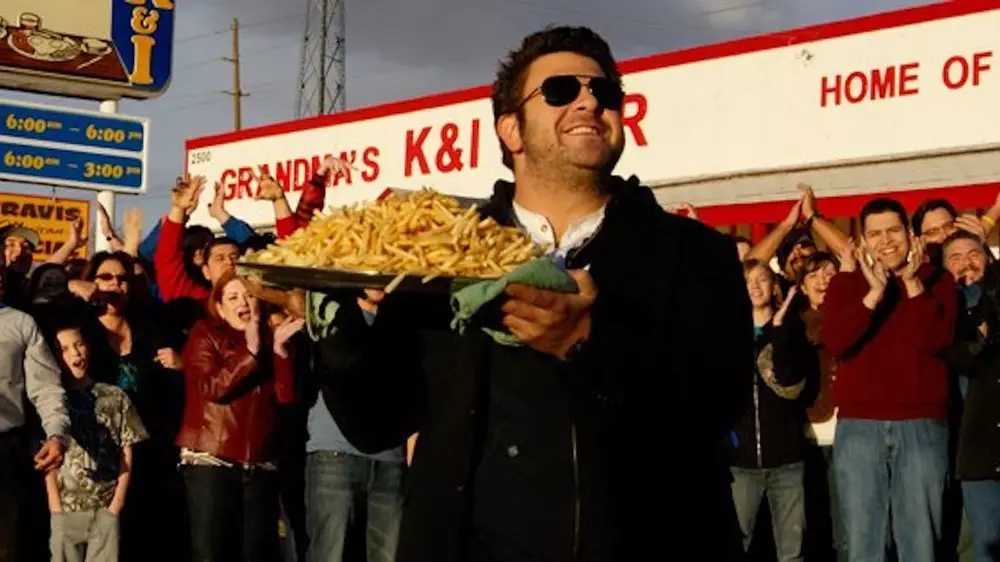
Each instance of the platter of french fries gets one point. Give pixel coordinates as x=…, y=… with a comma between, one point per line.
x=413, y=240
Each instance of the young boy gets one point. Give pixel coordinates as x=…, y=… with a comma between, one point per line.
x=88, y=492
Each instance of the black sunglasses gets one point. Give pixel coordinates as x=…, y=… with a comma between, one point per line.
x=109, y=276
x=559, y=91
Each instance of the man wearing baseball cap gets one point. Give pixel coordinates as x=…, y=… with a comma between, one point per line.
x=19, y=244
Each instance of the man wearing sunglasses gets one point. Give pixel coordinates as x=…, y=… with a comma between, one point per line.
x=548, y=450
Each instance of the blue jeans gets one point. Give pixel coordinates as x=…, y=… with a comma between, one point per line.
x=891, y=466
x=982, y=506
x=785, y=497
x=338, y=487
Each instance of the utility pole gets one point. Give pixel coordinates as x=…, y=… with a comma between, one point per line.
x=237, y=93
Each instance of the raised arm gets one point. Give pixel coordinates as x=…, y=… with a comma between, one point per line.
x=767, y=248
x=836, y=241
x=77, y=239
x=171, y=276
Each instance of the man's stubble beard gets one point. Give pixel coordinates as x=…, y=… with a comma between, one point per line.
x=556, y=170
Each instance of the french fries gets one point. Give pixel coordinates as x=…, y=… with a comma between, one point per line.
x=423, y=234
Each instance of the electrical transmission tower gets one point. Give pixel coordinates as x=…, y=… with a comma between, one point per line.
x=322, y=85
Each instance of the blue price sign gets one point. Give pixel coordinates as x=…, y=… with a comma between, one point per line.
x=73, y=168
x=100, y=131
x=72, y=148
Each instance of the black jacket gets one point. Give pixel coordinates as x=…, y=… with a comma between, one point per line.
x=565, y=455
x=772, y=431
x=978, y=358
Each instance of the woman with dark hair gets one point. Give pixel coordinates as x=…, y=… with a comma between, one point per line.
x=237, y=371
x=826, y=528
x=128, y=351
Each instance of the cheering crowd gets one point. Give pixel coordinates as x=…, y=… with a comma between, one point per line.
x=154, y=405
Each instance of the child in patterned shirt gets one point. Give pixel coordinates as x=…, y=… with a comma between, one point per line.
x=88, y=492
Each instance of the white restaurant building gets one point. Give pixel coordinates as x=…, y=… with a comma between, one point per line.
x=904, y=102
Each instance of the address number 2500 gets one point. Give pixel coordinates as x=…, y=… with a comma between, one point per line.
x=201, y=156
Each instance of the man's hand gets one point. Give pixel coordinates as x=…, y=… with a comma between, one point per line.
x=808, y=201
x=169, y=359
x=793, y=214
x=548, y=321
x=284, y=332
x=876, y=275
x=970, y=223
x=848, y=261
x=50, y=456
x=914, y=285
x=83, y=289
x=779, y=317
x=187, y=193
x=909, y=272
x=268, y=189
x=334, y=167
x=217, y=208
x=293, y=301
x=133, y=230
x=77, y=237
x=683, y=209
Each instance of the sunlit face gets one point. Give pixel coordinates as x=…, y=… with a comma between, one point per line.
x=111, y=277
x=579, y=136
x=888, y=239
x=816, y=282
x=18, y=253
x=965, y=260
x=238, y=306
x=74, y=352
x=221, y=259
x=760, y=286
x=796, y=259
x=936, y=226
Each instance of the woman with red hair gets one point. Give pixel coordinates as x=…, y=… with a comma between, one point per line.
x=236, y=373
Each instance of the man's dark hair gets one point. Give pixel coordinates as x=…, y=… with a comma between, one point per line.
x=219, y=241
x=963, y=235
x=928, y=206
x=799, y=236
x=883, y=205
x=508, y=88
x=196, y=237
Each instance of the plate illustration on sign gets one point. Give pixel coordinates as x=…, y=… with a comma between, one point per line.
x=100, y=49
x=31, y=46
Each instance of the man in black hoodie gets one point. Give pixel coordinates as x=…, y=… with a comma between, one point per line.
x=548, y=451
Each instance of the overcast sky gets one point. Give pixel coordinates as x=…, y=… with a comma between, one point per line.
x=398, y=49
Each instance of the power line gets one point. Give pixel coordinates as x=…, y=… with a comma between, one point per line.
x=225, y=30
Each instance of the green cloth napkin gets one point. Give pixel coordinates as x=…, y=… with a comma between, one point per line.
x=321, y=309
x=541, y=273
x=320, y=312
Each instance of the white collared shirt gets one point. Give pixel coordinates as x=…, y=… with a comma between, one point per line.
x=541, y=231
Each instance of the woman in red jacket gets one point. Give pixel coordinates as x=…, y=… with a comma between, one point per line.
x=236, y=373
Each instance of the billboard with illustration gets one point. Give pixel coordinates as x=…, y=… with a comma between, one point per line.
x=51, y=218
x=100, y=49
